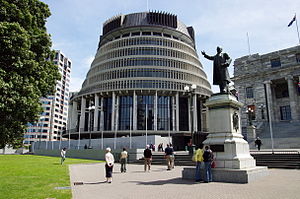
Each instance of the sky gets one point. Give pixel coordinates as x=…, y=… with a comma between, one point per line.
x=76, y=25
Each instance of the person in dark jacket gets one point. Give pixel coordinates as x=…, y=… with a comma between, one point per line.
x=207, y=159
x=258, y=143
x=169, y=155
x=147, y=158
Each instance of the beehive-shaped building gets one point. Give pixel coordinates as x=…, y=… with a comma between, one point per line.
x=146, y=76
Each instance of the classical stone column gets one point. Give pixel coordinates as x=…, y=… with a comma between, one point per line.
x=173, y=114
x=292, y=96
x=101, y=115
x=269, y=99
x=195, y=124
x=82, y=114
x=117, y=112
x=190, y=114
x=177, y=111
x=113, y=111
x=74, y=116
x=96, y=113
x=200, y=125
x=134, y=119
x=155, y=111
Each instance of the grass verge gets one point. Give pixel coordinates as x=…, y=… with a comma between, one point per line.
x=30, y=176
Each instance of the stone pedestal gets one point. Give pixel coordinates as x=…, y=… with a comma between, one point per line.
x=231, y=151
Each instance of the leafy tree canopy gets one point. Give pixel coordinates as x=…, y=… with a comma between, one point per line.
x=26, y=70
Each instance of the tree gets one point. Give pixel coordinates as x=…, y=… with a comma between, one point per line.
x=26, y=70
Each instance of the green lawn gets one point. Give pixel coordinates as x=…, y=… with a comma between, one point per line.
x=30, y=176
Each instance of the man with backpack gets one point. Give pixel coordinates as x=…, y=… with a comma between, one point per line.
x=208, y=158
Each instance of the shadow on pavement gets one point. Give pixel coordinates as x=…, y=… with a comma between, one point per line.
x=154, y=170
x=168, y=181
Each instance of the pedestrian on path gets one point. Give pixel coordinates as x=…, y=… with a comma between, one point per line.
x=198, y=158
x=63, y=155
x=258, y=143
x=169, y=155
x=123, y=160
x=208, y=158
x=147, y=158
x=110, y=160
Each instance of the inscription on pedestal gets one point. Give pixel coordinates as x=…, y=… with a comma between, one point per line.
x=217, y=147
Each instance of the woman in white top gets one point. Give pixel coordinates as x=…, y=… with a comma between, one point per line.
x=63, y=155
x=109, y=158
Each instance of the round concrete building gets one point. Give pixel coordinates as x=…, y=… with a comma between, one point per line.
x=146, y=78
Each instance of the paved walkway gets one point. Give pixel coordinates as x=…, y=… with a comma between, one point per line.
x=162, y=184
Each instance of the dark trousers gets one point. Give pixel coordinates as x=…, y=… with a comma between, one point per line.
x=208, y=174
x=108, y=171
x=123, y=162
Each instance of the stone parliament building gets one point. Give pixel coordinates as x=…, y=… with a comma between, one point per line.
x=270, y=84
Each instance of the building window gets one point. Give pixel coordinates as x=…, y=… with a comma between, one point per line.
x=249, y=92
x=275, y=63
x=285, y=113
x=125, y=112
x=281, y=90
x=298, y=58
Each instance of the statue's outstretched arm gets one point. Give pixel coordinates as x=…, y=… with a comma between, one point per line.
x=207, y=56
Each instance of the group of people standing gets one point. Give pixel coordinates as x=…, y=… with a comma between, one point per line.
x=169, y=156
x=203, y=158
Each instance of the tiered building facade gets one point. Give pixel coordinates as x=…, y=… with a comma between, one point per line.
x=53, y=120
x=146, y=78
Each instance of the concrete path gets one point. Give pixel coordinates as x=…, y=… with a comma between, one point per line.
x=163, y=184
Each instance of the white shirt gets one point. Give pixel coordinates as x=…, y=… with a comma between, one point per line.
x=109, y=158
x=63, y=154
x=124, y=154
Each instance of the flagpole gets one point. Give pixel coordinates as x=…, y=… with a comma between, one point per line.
x=249, y=51
x=297, y=29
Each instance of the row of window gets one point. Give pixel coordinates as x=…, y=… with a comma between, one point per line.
x=62, y=59
x=143, y=61
x=277, y=62
x=146, y=72
x=138, y=84
x=147, y=51
x=147, y=41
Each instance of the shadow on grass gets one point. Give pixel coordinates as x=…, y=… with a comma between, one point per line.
x=56, y=163
x=88, y=183
x=168, y=181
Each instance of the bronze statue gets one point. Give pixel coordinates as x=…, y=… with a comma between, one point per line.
x=221, y=75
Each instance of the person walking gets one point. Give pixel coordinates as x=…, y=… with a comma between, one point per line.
x=198, y=158
x=110, y=160
x=258, y=143
x=63, y=155
x=123, y=160
x=207, y=158
x=169, y=154
x=147, y=158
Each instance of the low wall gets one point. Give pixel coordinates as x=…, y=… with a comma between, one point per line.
x=94, y=154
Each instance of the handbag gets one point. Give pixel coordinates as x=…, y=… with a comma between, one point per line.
x=213, y=164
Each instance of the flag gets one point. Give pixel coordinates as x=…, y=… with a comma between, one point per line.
x=294, y=19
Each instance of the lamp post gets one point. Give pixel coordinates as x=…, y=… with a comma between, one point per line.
x=91, y=108
x=249, y=111
x=191, y=90
x=262, y=107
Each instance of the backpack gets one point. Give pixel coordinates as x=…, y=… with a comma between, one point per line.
x=207, y=156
